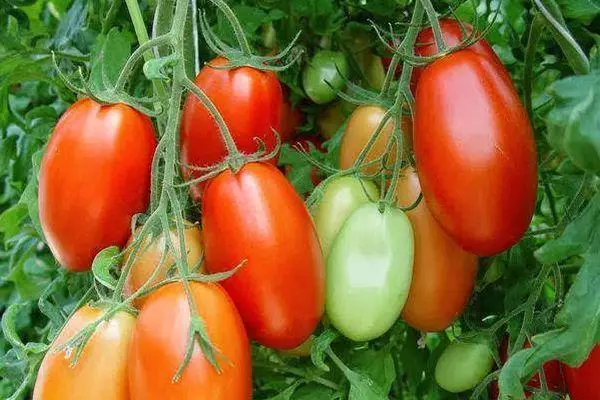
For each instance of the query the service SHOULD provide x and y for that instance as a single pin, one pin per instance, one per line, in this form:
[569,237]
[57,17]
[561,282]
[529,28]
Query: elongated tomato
[255,215]
[475,153]
[443,273]
[159,343]
[95,175]
[101,371]
[584,382]
[250,101]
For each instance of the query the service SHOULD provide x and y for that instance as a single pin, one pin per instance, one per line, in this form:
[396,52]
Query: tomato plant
[369,270]
[279,291]
[443,273]
[158,348]
[324,76]
[100,372]
[475,153]
[462,366]
[96,154]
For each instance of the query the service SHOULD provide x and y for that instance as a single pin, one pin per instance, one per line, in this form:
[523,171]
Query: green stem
[298,372]
[535,34]
[235,25]
[435,25]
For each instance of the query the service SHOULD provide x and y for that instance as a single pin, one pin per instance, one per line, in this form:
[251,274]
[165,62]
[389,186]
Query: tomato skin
[333,117]
[291,119]
[475,153]
[462,366]
[583,382]
[159,343]
[150,254]
[250,101]
[342,196]
[443,273]
[369,272]
[94,176]
[100,373]
[256,215]
[324,76]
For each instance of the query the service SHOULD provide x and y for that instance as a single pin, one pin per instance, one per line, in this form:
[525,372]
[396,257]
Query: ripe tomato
[101,371]
[324,76]
[95,175]
[341,197]
[369,271]
[256,215]
[584,382]
[159,343]
[150,253]
[462,366]
[291,120]
[453,36]
[443,273]
[475,153]
[250,101]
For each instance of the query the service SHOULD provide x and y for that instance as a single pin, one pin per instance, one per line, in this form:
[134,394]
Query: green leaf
[106,260]
[314,392]
[10,220]
[156,68]
[376,364]
[320,346]
[108,58]
[582,10]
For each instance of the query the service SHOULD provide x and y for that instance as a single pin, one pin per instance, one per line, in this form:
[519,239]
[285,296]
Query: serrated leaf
[107,259]
[10,220]
[320,346]
[582,10]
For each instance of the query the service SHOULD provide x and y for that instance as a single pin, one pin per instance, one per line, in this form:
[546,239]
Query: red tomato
[291,120]
[443,273]
[453,36]
[159,343]
[256,215]
[250,102]
[95,175]
[475,152]
[584,382]
[100,372]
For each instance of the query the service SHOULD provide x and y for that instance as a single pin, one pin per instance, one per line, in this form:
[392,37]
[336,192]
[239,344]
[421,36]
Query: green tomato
[462,366]
[324,76]
[369,271]
[342,196]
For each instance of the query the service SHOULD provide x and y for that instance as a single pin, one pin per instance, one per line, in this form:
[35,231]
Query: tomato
[552,374]
[369,271]
[291,120]
[341,197]
[150,253]
[462,366]
[159,343]
[250,101]
[475,153]
[256,215]
[583,382]
[325,75]
[94,176]
[453,36]
[100,372]
[443,273]
[333,117]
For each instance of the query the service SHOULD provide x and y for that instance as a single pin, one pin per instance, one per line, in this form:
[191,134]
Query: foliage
[545,288]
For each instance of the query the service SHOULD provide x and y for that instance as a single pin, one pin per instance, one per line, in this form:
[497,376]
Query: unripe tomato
[341,197]
[324,76]
[159,343]
[462,366]
[584,382]
[250,102]
[151,252]
[369,271]
[333,117]
[257,216]
[94,177]
[443,273]
[475,152]
[101,371]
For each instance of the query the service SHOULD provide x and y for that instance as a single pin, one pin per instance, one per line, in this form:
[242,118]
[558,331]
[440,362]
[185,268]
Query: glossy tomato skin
[584,382]
[94,176]
[341,197]
[369,271]
[256,215]
[453,36]
[462,366]
[443,273]
[150,254]
[250,101]
[101,371]
[324,76]
[159,343]
[475,153]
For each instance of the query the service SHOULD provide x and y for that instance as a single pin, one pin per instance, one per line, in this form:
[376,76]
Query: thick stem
[435,25]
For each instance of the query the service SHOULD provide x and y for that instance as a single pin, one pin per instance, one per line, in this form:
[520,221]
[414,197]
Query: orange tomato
[443,273]
[100,373]
[159,344]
